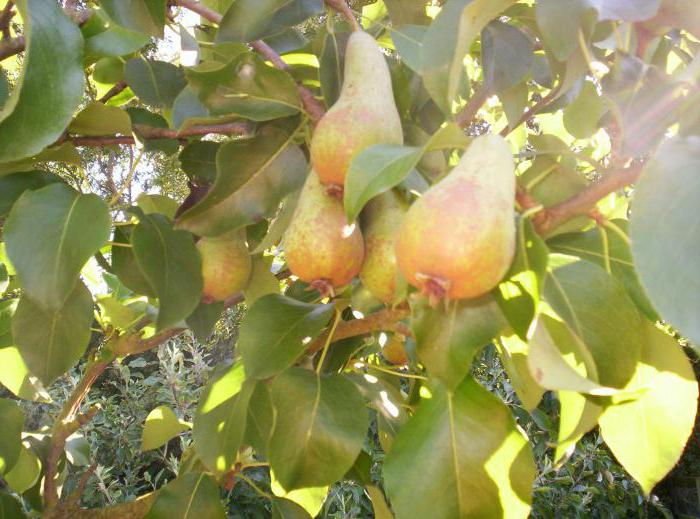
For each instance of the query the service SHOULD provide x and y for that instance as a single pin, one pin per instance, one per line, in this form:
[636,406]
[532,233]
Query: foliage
[577,291]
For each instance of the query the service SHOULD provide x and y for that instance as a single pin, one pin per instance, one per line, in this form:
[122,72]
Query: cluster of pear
[456,241]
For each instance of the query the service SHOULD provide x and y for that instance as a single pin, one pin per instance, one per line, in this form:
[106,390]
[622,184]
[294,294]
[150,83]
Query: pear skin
[226,265]
[364,114]
[382,218]
[458,240]
[320,247]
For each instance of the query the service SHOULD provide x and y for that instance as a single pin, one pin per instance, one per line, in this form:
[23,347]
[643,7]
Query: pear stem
[342,7]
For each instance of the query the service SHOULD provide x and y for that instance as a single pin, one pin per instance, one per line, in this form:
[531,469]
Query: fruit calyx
[335,190]
[323,286]
[434,288]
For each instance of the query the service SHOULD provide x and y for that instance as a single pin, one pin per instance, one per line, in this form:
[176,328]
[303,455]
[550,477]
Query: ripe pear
[226,265]
[320,247]
[382,218]
[458,240]
[364,114]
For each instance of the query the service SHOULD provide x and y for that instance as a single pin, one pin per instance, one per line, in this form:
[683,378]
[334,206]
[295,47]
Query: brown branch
[341,7]
[67,422]
[5,17]
[534,110]
[312,106]
[384,320]
[132,510]
[584,201]
[117,89]
[10,47]
[467,114]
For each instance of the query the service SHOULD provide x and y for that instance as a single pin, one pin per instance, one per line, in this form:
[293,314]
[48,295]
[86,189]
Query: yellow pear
[320,247]
[458,240]
[382,219]
[364,114]
[226,265]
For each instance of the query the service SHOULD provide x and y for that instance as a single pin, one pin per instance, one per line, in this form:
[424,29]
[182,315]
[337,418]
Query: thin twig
[11,46]
[342,7]
[5,18]
[465,116]
[118,88]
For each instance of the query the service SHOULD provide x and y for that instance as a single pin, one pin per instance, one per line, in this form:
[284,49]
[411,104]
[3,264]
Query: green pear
[458,240]
[382,219]
[226,265]
[365,113]
[320,247]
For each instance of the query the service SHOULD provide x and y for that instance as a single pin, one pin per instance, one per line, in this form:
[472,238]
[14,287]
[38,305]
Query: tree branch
[5,17]
[467,114]
[312,106]
[11,46]
[582,202]
[384,320]
[131,510]
[150,132]
[115,90]
[342,7]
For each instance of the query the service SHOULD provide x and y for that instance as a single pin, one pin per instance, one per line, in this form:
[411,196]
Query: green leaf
[286,509]
[124,263]
[12,186]
[665,215]
[582,115]
[246,87]
[193,495]
[144,16]
[375,170]
[100,119]
[162,425]
[253,176]
[320,427]
[15,376]
[448,339]
[10,508]
[50,234]
[269,346]
[248,20]
[221,418]
[203,320]
[12,421]
[78,450]
[189,110]
[310,499]
[514,353]
[408,40]
[608,248]
[597,310]
[578,415]
[560,20]
[4,89]
[661,420]
[473,460]
[50,86]
[156,83]
[198,160]
[25,472]
[331,69]
[108,71]
[51,341]
[114,41]
[262,280]
[4,282]
[157,204]
[507,55]
[448,40]
[172,266]
[401,11]
[518,295]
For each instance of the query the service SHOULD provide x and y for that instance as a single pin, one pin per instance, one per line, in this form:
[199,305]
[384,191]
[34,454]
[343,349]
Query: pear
[320,247]
[226,265]
[394,350]
[382,218]
[458,240]
[364,114]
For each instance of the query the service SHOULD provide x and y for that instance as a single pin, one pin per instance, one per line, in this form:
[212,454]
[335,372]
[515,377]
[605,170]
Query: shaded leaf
[12,186]
[15,376]
[198,160]
[50,86]
[665,215]
[319,430]
[124,263]
[157,204]
[448,339]
[248,20]
[189,496]
[50,234]
[507,55]
[55,346]
[100,119]
[144,16]
[474,461]
[172,266]
[270,346]
[25,472]
[10,434]
[204,318]
[156,83]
